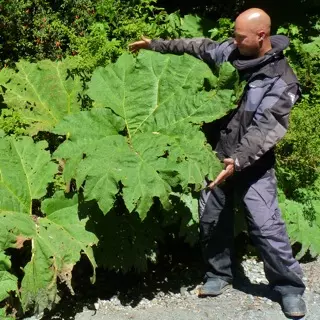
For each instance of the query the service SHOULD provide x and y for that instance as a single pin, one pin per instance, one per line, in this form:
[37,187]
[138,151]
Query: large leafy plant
[140,145]
[144,129]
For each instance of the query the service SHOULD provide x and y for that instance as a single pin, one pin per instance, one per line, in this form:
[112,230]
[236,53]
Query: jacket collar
[249,68]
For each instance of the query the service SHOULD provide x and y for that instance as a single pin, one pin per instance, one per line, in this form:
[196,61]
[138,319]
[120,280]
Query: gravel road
[249,299]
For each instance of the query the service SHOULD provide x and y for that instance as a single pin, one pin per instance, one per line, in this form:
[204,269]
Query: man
[246,142]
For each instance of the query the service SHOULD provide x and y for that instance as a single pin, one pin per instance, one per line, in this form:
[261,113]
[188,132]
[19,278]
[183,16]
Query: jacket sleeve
[209,51]
[269,125]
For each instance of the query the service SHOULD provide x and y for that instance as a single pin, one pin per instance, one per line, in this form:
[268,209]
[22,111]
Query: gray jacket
[249,133]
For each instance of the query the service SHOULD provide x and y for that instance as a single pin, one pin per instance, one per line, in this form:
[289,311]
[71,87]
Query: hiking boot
[213,287]
[293,305]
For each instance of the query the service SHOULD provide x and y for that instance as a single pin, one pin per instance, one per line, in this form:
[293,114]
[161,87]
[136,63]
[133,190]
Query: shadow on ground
[182,267]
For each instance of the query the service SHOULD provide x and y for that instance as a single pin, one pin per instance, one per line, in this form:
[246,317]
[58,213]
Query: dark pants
[258,193]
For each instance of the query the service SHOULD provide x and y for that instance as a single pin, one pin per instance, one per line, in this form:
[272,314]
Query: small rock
[251,297]
[96,305]
[184,291]
[195,291]
[115,301]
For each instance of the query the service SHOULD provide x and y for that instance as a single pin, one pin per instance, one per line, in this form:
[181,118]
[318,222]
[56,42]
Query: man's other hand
[224,174]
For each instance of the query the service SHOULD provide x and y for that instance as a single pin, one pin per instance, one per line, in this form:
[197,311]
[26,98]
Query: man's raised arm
[209,51]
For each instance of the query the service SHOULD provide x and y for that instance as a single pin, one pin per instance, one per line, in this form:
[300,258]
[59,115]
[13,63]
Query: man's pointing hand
[142,44]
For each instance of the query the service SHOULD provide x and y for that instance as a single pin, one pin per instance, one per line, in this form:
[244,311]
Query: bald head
[252,32]
[256,20]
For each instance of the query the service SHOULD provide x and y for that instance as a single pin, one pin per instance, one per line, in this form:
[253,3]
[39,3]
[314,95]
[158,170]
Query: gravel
[249,299]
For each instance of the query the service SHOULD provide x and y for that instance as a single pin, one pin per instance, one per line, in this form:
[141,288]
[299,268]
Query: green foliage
[97,32]
[38,95]
[299,152]
[3,314]
[303,54]
[299,12]
[192,26]
[300,228]
[223,30]
[117,23]
[40,29]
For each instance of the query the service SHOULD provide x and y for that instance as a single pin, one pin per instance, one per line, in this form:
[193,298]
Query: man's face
[246,40]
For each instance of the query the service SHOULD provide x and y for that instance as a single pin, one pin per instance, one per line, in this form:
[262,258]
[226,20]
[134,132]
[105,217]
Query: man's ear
[262,35]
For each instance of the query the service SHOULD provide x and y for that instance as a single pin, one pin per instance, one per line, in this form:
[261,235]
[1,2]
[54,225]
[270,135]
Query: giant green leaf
[42,93]
[151,141]
[57,238]
[161,101]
